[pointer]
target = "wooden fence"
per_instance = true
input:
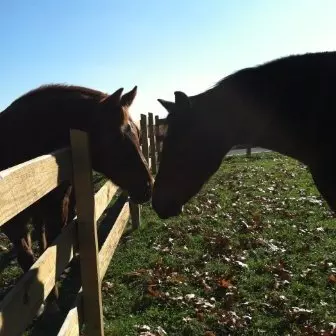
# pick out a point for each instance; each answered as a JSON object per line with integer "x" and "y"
{"x": 26, "y": 183}
{"x": 152, "y": 134}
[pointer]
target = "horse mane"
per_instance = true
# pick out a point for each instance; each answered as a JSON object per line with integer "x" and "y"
{"x": 58, "y": 88}
{"x": 283, "y": 65}
{"x": 62, "y": 91}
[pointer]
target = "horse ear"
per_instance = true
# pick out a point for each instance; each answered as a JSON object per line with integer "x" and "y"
{"x": 182, "y": 100}
{"x": 127, "y": 98}
{"x": 114, "y": 98}
{"x": 112, "y": 104}
{"x": 169, "y": 106}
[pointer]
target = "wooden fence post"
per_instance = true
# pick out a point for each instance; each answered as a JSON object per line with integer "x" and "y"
{"x": 152, "y": 141}
{"x": 144, "y": 137}
{"x": 157, "y": 137}
{"x": 248, "y": 150}
{"x": 87, "y": 233}
{"x": 135, "y": 210}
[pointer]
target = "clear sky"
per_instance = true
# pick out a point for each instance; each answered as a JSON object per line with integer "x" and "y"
{"x": 161, "y": 46}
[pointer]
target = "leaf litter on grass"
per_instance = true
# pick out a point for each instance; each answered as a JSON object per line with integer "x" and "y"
{"x": 254, "y": 253}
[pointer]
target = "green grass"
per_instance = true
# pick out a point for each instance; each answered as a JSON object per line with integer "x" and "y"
{"x": 253, "y": 254}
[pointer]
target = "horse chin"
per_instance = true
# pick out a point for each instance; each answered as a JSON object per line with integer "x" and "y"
{"x": 171, "y": 213}
{"x": 168, "y": 212}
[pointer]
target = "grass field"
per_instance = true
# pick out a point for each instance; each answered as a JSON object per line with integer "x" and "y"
{"x": 253, "y": 254}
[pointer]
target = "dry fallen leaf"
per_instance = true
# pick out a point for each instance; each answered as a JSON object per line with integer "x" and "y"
{"x": 152, "y": 291}
{"x": 224, "y": 283}
{"x": 106, "y": 285}
{"x": 136, "y": 273}
{"x": 200, "y": 316}
{"x": 284, "y": 274}
{"x": 161, "y": 331}
{"x": 332, "y": 278}
{"x": 3, "y": 248}
{"x": 209, "y": 333}
{"x": 176, "y": 278}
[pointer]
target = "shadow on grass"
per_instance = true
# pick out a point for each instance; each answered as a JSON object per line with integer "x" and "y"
{"x": 70, "y": 278}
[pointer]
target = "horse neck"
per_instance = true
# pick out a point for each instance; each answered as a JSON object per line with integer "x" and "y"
{"x": 225, "y": 117}
{"x": 28, "y": 130}
{"x": 249, "y": 114}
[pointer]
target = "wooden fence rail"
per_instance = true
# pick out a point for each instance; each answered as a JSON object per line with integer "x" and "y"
{"x": 25, "y": 184}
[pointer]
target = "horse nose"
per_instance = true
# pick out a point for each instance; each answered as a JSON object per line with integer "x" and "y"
{"x": 142, "y": 194}
{"x": 165, "y": 207}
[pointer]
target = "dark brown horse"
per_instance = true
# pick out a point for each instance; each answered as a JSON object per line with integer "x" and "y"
{"x": 39, "y": 122}
{"x": 287, "y": 105}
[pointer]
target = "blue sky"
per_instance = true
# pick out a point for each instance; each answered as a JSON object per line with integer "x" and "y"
{"x": 161, "y": 46}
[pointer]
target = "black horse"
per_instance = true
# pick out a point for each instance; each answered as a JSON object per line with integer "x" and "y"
{"x": 287, "y": 105}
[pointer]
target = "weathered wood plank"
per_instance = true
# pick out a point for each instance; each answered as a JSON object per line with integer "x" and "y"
{"x": 74, "y": 319}
{"x": 87, "y": 233}
{"x": 158, "y": 139}
{"x": 107, "y": 250}
{"x": 34, "y": 287}
{"x": 144, "y": 137}
{"x": 44, "y": 273}
{"x": 24, "y": 184}
{"x": 152, "y": 142}
{"x": 103, "y": 198}
{"x": 248, "y": 150}
{"x": 135, "y": 213}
